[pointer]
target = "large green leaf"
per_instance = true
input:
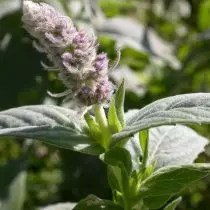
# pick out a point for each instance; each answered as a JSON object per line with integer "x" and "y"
{"x": 186, "y": 108}
{"x": 52, "y": 124}
{"x": 94, "y": 203}
{"x": 168, "y": 181}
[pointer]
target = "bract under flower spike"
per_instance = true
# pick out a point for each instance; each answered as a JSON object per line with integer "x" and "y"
{"x": 72, "y": 52}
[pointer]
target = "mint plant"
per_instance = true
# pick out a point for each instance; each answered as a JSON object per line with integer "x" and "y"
{"x": 148, "y": 153}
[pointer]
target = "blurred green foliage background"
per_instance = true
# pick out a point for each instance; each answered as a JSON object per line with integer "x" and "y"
{"x": 165, "y": 51}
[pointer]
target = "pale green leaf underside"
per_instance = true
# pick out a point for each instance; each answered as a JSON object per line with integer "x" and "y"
{"x": 186, "y": 108}
{"x": 52, "y": 124}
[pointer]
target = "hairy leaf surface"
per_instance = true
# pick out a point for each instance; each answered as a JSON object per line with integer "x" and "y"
{"x": 54, "y": 125}
{"x": 186, "y": 108}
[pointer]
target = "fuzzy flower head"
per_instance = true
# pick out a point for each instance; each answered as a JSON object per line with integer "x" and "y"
{"x": 72, "y": 52}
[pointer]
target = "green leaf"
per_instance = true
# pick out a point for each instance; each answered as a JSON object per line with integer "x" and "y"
{"x": 114, "y": 178}
{"x": 12, "y": 184}
{"x": 54, "y": 125}
{"x": 204, "y": 15}
{"x": 119, "y": 157}
{"x": 120, "y": 168}
{"x": 186, "y": 108}
{"x": 94, "y": 128}
{"x": 113, "y": 121}
{"x": 173, "y": 204}
{"x": 143, "y": 137}
{"x": 94, "y": 203}
{"x": 119, "y": 103}
{"x": 156, "y": 202}
{"x": 157, "y": 189}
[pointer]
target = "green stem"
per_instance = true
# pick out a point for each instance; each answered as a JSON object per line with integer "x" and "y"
{"x": 102, "y": 121}
{"x": 100, "y": 116}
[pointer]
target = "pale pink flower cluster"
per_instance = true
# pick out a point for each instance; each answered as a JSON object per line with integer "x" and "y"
{"x": 72, "y": 52}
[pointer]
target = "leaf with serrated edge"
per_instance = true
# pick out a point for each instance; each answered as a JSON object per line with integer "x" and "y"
{"x": 54, "y": 125}
{"x": 186, "y": 108}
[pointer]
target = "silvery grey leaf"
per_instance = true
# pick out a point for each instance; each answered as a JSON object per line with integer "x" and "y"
{"x": 174, "y": 145}
{"x": 182, "y": 109}
{"x": 54, "y": 125}
{"x": 171, "y": 145}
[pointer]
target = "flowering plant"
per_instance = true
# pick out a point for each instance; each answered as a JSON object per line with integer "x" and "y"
{"x": 149, "y": 159}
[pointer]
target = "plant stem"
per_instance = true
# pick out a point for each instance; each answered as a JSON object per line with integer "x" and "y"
{"x": 102, "y": 121}
{"x": 100, "y": 116}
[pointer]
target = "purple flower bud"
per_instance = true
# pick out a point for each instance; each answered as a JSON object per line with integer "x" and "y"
{"x": 85, "y": 90}
{"x": 100, "y": 65}
{"x": 67, "y": 57}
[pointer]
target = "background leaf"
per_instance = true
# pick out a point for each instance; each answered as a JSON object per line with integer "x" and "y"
{"x": 173, "y": 204}
{"x": 60, "y": 206}
{"x": 12, "y": 184}
{"x": 119, "y": 103}
{"x": 94, "y": 203}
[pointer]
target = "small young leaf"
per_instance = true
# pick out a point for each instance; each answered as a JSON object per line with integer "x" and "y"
{"x": 186, "y": 108}
{"x": 119, "y": 103}
{"x": 144, "y": 141}
{"x": 119, "y": 157}
{"x": 94, "y": 128}
{"x": 113, "y": 121}
{"x": 119, "y": 161}
{"x": 176, "y": 178}
{"x": 173, "y": 204}
{"x": 113, "y": 175}
{"x": 94, "y": 203}
{"x": 54, "y": 125}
